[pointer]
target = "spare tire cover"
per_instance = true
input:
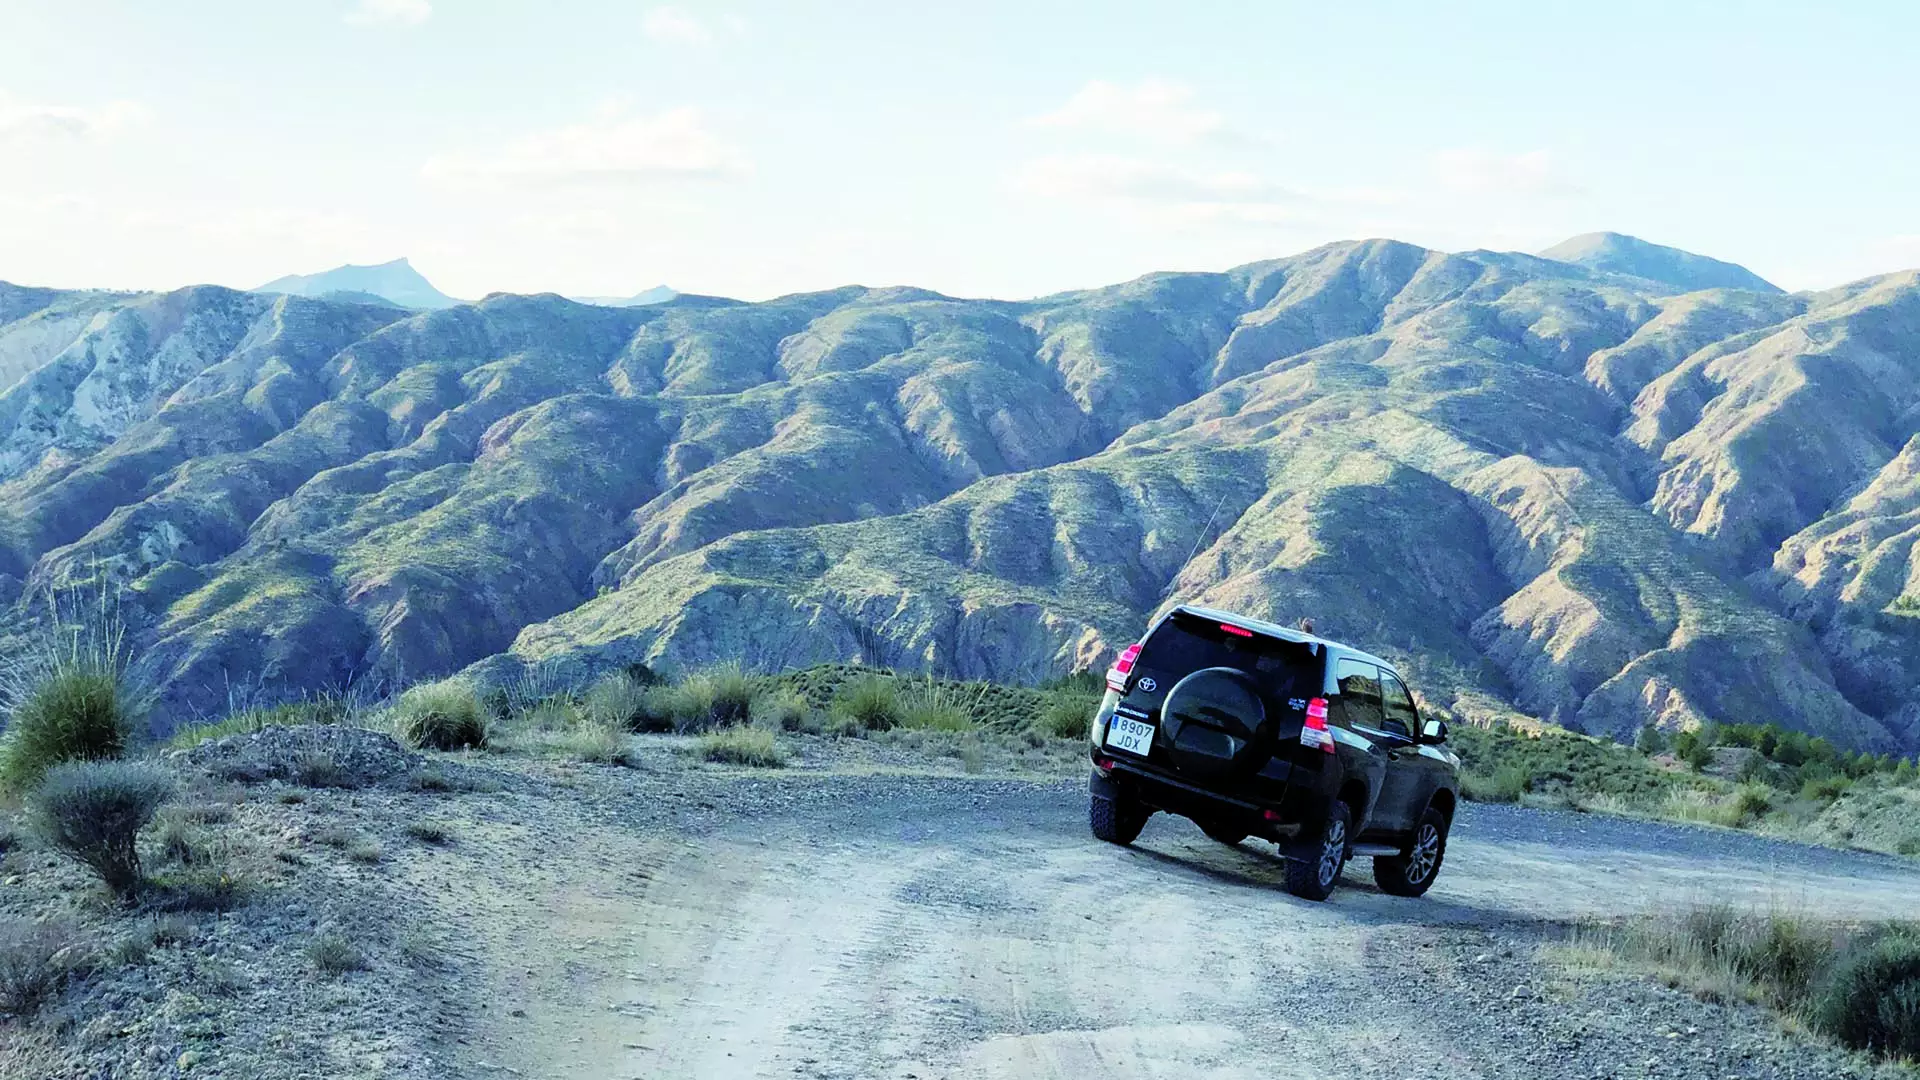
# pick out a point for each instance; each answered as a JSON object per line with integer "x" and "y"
{"x": 1210, "y": 718}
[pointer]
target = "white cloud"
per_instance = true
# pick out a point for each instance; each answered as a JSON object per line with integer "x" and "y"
{"x": 1484, "y": 172}
{"x": 28, "y": 122}
{"x": 1157, "y": 109}
{"x": 396, "y": 12}
{"x": 675, "y": 27}
{"x": 613, "y": 147}
{"x": 1151, "y": 188}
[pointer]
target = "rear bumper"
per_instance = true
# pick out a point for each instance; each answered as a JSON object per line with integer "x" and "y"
{"x": 1282, "y": 811}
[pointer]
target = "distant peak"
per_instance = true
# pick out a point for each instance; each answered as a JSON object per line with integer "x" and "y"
{"x": 1618, "y": 253}
{"x": 395, "y": 281}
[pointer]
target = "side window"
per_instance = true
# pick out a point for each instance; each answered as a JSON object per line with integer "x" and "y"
{"x": 1401, "y": 719}
{"x": 1359, "y": 694}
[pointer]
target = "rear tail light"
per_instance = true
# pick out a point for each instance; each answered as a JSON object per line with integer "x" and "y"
{"x": 1104, "y": 764}
{"x": 1315, "y": 731}
{"x": 1122, "y": 667}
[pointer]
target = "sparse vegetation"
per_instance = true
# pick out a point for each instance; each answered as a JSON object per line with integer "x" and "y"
{"x": 93, "y": 811}
{"x": 441, "y": 716}
{"x": 1857, "y": 984}
{"x": 325, "y": 708}
{"x": 430, "y": 832}
{"x": 332, "y": 954}
{"x": 743, "y": 746}
{"x": 37, "y": 958}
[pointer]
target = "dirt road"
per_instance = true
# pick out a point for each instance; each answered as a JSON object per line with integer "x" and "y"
{"x": 815, "y": 925}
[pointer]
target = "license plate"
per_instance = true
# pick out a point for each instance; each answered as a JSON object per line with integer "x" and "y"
{"x": 1130, "y": 735}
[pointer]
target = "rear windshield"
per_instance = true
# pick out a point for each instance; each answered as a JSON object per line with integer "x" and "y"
{"x": 1187, "y": 643}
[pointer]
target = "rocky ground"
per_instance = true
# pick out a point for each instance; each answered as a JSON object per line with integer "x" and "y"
{"x": 871, "y": 911}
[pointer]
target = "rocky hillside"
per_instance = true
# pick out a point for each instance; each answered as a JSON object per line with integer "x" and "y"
{"x": 1591, "y": 491}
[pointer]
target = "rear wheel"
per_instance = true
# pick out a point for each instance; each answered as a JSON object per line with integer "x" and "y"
{"x": 1117, "y": 820}
{"x": 1225, "y": 834}
{"x": 1313, "y": 875}
{"x": 1413, "y": 873}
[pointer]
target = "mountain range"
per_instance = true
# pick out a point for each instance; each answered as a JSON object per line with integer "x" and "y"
{"x": 1617, "y": 486}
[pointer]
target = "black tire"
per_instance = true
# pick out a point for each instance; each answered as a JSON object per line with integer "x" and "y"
{"x": 1117, "y": 820}
{"x": 1413, "y": 873}
{"x": 1225, "y": 834}
{"x": 1313, "y": 877}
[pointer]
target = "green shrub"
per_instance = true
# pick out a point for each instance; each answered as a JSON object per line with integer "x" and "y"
{"x": 1650, "y": 741}
{"x": 743, "y": 746}
{"x": 441, "y": 716}
{"x": 598, "y": 743}
{"x": 1505, "y": 785}
{"x": 325, "y": 708}
{"x": 868, "y": 703}
{"x": 77, "y": 712}
{"x": 1871, "y": 1000}
{"x": 783, "y": 709}
{"x": 717, "y": 697}
{"x": 1067, "y": 716}
{"x": 616, "y": 701}
{"x": 933, "y": 706}
{"x": 93, "y": 811}
{"x": 36, "y": 960}
{"x": 332, "y": 954}
{"x": 1825, "y": 788}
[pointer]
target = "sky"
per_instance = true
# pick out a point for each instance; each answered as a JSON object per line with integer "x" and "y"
{"x": 1003, "y": 149}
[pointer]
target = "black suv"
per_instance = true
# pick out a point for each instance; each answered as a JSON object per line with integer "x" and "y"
{"x": 1251, "y": 729}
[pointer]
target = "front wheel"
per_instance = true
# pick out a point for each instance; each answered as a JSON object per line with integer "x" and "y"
{"x": 1117, "y": 820}
{"x": 1313, "y": 876}
{"x": 1413, "y": 873}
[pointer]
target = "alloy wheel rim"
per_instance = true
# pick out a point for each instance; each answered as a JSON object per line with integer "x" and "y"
{"x": 1426, "y": 853}
{"x": 1331, "y": 853}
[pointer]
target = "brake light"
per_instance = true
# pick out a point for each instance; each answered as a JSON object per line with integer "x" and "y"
{"x": 1237, "y": 631}
{"x": 1122, "y": 667}
{"x": 1315, "y": 731}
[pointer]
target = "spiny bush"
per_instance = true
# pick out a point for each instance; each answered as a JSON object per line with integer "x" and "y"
{"x": 1067, "y": 716}
{"x": 598, "y": 743}
{"x": 743, "y": 746}
{"x": 441, "y": 716}
{"x": 868, "y": 703}
{"x": 616, "y": 701}
{"x": 36, "y": 961}
{"x": 73, "y": 712}
{"x": 717, "y": 697}
{"x": 783, "y": 709}
{"x": 93, "y": 811}
{"x": 932, "y": 706}
{"x": 1871, "y": 1000}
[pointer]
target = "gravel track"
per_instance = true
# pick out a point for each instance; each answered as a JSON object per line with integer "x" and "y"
{"x": 694, "y": 922}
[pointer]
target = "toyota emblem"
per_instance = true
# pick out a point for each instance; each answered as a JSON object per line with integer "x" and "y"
{"x": 1148, "y": 684}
